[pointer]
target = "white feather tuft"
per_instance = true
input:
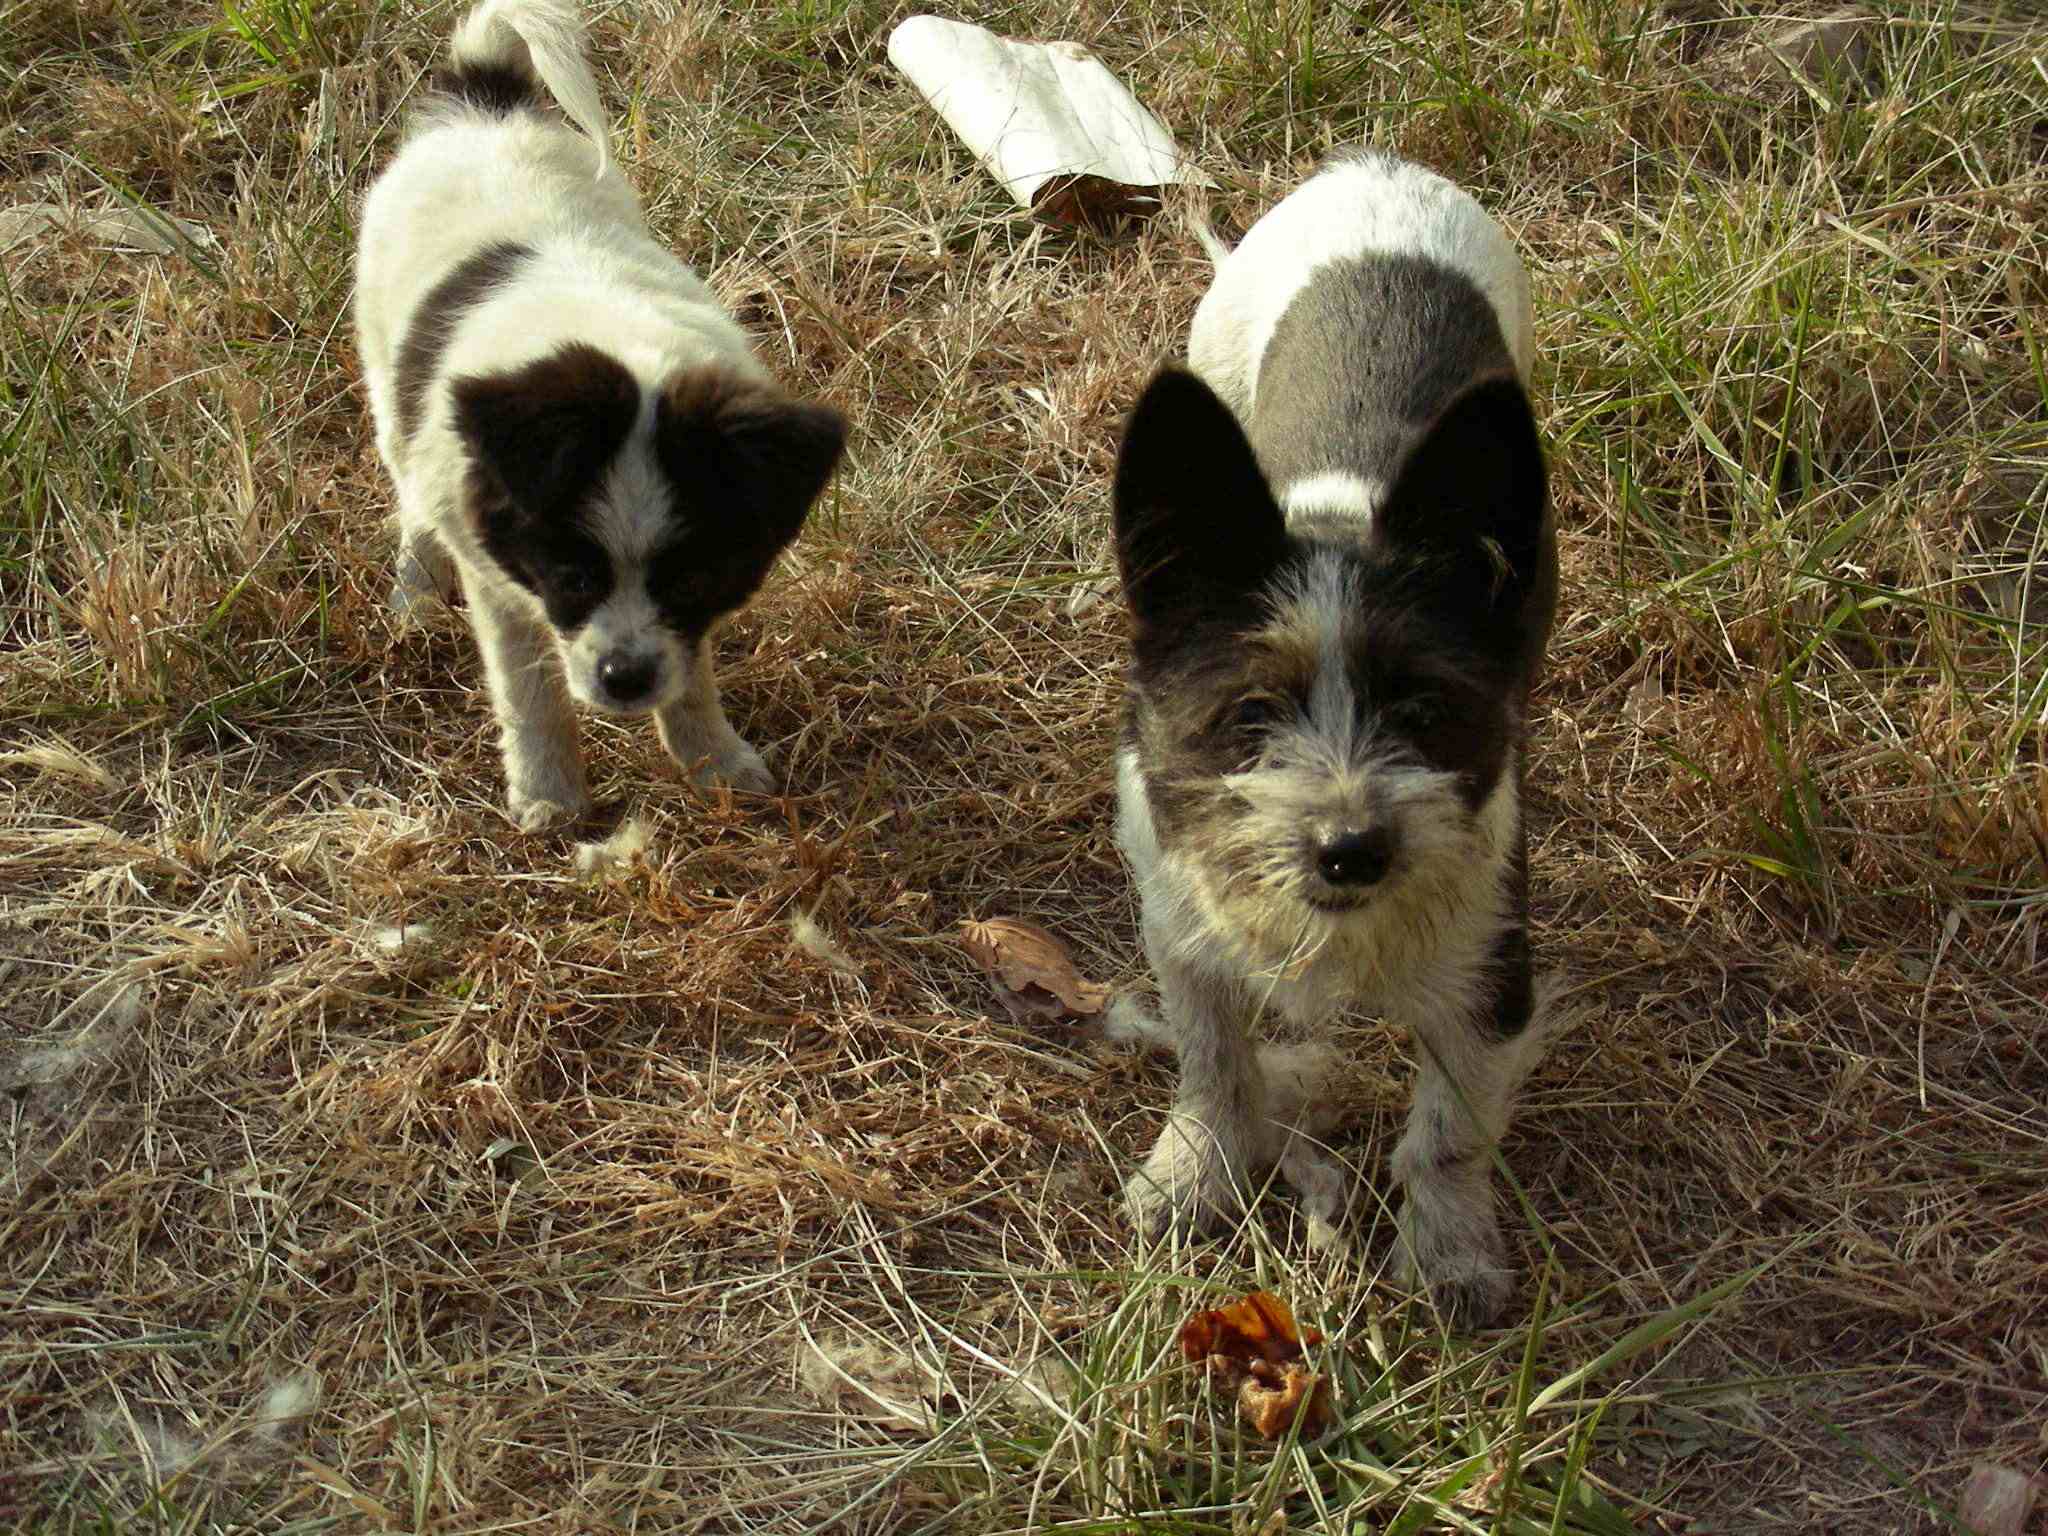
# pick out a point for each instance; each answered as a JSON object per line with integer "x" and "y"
{"x": 615, "y": 855}
{"x": 814, "y": 941}
{"x": 287, "y": 1402}
{"x": 404, "y": 938}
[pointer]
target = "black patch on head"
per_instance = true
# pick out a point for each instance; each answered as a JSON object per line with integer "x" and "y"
{"x": 541, "y": 438}
{"x": 745, "y": 462}
{"x": 1199, "y": 711}
{"x": 468, "y": 284}
{"x": 1198, "y": 534}
{"x": 1422, "y": 677}
{"x": 1364, "y": 357}
{"x": 500, "y": 89}
{"x": 1429, "y": 679}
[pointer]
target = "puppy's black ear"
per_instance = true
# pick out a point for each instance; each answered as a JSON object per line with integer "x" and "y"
{"x": 546, "y": 431}
{"x": 1197, "y": 530}
{"x": 1476, "y": 484}
{"x": 746, "y": 453}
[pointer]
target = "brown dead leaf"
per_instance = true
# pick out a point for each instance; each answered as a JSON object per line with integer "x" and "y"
{"x": 1255, "y": 1348}
{"x": 1093, "y": 202}
{"x": 1998, "y": 1500}
{"x": 1034, "y": 976}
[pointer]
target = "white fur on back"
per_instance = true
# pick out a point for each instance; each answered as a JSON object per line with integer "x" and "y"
{"x": 1353, "y": 208}
{"x": 471, "y": 181}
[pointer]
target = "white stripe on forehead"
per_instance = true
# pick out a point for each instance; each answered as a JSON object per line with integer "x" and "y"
{"x": 1318, "y": 608}
{"x": 635, "y": 514}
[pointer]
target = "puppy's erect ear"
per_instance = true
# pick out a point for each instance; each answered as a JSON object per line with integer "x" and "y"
{"x": 1197, "y": 530}
{"x": 547, "y": 430}
{"x": 1476, "y": 479}
{"x": 747, "y": 453}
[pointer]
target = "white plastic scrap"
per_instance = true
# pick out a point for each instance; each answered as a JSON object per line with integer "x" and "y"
{"x": 121, "y": 227}
{"x": 1048, "y": 120}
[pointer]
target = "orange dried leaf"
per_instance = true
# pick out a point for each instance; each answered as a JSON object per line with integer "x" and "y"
{"x": 1260, "y": 1327}
{"x": 1272, "y": 1398}
{"x": 1253, "y": 1347}
{"x": 1034, "y": 976}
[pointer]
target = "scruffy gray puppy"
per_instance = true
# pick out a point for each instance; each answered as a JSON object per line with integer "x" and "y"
{"x": 1341, "y": 570}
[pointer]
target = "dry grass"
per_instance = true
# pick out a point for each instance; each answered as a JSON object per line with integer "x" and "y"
{"x": 365, "y": 1165}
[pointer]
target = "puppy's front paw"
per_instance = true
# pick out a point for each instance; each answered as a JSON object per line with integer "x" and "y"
{"x": 1191, "y": 1184}
{"x": 543, "y": 797}
{"x": 532, "y": 813}
{"x": 544, "y": 781}
{"x": 736, "y": 764}
{"x": 1323, "y": 1186}
{"x": 709, "y": 750}
{"x": 1452, "y": 1249}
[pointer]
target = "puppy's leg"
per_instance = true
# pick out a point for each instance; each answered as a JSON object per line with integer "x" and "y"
{"x": 1301, "y": 1109}
{"x": 425, "y": 574}
{"x": 1199, "y": 1173}
{"x": 1469, "y": 1061}
{"x": 697, "y": 734}
{"x": 536, "y": 723}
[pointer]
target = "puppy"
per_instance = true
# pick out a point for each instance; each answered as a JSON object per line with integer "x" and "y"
{"x": 577, "y": 432}
{"x": 1336, "y": 547}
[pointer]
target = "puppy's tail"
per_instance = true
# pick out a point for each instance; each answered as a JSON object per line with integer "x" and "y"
{"x": 1195, "y": 217}
{"x": 506, "y": 52}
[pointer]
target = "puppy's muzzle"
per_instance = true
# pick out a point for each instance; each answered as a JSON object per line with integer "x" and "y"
{"x": 627, "y": 681}
{"x": 1354, "y": 859}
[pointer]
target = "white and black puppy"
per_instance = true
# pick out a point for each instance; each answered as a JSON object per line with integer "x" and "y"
{"x": 576, "y": 429}
{"x": 1337, "y": 551}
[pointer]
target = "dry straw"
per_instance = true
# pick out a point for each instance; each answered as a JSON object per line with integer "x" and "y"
{"x": 525, "y": 1192}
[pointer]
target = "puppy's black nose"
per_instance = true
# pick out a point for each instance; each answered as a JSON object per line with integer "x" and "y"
{"x": 626, "y": 678}
{"x": 1356, "y": 858}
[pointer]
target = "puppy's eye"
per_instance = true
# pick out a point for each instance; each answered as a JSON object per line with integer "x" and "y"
{"x": 1420, "y": 710}
{"x": 576, "y": 581}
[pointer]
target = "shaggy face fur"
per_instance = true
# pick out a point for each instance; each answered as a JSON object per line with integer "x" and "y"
{"x": 1338, "y": 615}
{"x": 578, "y": 433}
{"x": 1322, "y": 721}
